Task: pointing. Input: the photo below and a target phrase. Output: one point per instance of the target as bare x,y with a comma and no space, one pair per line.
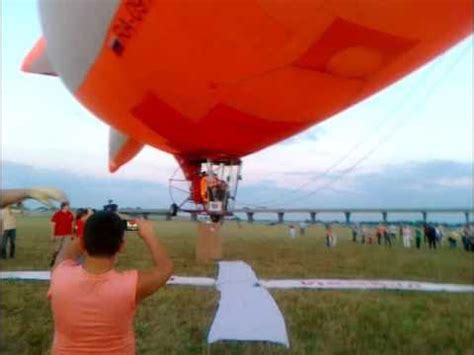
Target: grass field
176,320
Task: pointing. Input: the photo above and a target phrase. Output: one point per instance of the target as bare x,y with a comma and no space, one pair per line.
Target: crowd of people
433,236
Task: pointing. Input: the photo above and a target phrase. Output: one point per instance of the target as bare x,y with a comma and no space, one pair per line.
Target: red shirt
62,223
80,228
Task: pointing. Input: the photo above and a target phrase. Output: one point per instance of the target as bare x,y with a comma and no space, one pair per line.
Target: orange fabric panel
347,50
293,95
222,133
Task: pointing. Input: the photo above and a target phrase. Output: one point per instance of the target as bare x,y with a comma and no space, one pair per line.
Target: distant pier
348,212
312,213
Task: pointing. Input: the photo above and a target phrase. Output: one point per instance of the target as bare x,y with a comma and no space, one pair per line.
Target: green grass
176,320
377,322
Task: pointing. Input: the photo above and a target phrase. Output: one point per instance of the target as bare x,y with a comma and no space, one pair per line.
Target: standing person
439,233
355,232
111,206
387,238
380,232
466,235
430,234
371,236
433,236
331,238
364,233
418,235
453,237
470,233
8,232
393,232
94,304
61,229
81,217
292,231
328,235
406,233
302,227
78,228
425,233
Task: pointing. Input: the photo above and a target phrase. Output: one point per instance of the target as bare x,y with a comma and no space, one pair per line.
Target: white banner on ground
45,276
315,284
25,275
191,281
246,312
339,284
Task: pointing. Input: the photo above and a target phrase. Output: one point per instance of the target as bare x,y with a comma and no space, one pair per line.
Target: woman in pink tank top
93,304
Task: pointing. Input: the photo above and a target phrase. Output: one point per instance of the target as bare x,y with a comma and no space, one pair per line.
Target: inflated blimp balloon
210,79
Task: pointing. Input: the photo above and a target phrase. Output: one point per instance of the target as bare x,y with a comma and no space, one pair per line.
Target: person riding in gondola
213,185
204,188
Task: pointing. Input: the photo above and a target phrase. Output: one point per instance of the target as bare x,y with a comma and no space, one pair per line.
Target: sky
419,128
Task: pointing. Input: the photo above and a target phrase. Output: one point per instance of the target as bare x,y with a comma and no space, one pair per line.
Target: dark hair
111,207
64,204
80,213
103,234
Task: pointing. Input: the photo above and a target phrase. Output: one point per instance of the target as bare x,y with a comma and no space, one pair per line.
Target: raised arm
44,195
12,196
71,250
150,281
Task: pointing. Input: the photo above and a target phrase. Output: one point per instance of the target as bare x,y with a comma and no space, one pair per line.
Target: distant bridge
313,212
348,212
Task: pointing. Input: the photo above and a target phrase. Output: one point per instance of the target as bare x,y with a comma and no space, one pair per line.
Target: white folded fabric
247,311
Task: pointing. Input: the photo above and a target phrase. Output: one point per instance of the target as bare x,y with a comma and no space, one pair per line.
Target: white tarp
338,284
45,276
247,311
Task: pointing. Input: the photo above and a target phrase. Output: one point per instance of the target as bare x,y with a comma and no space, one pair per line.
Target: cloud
455,182
415,184
87,190
312,135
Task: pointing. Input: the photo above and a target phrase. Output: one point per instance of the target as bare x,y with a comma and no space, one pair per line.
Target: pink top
92,313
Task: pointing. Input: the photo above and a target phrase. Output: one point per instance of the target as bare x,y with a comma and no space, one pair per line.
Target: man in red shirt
61,228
